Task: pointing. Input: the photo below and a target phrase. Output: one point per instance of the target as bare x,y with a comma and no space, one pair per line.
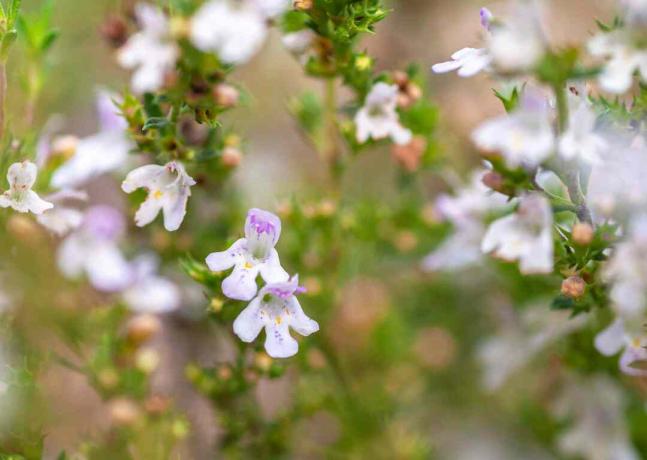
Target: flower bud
409,155
582,234
143,327
263,361
216,304
147,360
494,180
224,372
405,241
114,31
225,95
302,4
123,411
573,287
231,157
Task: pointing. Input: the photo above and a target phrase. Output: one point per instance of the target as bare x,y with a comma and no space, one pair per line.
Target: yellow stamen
157,194
248,265
278,320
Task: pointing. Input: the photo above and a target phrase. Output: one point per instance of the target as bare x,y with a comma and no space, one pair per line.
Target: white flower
460,250
636,11
149,292
250,256
598,431
623,59
234,31
626,270
468,61
524,137
521,339
169,188
276,309
299,42
63,219
581,140
93,250
616,338
100,153
517,45
525,236
150,51
21,177
378,118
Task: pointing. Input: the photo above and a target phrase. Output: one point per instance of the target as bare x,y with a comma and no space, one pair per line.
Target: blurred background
409,341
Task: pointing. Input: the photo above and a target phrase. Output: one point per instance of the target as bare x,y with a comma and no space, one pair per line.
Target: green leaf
155,122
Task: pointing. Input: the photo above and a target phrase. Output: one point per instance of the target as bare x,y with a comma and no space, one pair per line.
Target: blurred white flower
617,337
234,31
525,236
598,431
169,189
623,59
581,140
521,339
299,42
276,309
524,137
250,256
151,51
149,292
63,218
469,61
635,11
378,118
93,250
100,153
20,197
460,250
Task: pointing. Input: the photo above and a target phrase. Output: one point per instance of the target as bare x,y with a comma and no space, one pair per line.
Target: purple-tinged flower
149,292
486,18
151,52
378,118
276,309
169,189
100,153
525,236
21,177
250,256
616,338
63,218
94,250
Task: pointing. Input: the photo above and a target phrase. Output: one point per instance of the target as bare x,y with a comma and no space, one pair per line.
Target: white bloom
468,61
149,292
616,338
250,256
21,177
93,250
460,250
63,219
636,11
378,118
521,340
623,59
150,51
276,309
100,153
525,236
581,140
524,137
299,42
234,31
598,431
517,45
169,188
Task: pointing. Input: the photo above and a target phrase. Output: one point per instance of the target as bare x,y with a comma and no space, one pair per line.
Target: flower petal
249,322
219,261
271,270
611,340
147,211
278,341
241,284
140,177
299,321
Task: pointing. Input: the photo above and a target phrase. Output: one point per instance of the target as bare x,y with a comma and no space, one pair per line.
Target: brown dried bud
123,411
143,327
225,95
582,234
573,287
408,155
231,157
302,4
224,372
400,78
494,180
114,31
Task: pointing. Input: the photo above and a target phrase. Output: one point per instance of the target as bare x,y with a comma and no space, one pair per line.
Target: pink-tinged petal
271,269
143,176
611,340
298,319
278,341
219,261
241,284
249,322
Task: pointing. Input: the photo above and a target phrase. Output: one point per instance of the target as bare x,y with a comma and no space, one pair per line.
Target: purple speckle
486,18
260,225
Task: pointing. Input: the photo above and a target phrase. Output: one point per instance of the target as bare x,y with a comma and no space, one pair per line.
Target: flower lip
285,290
260,222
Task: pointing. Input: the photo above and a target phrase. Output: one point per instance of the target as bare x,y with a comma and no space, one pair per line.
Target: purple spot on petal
486,18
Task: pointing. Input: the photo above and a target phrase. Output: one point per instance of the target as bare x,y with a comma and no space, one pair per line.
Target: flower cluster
273,307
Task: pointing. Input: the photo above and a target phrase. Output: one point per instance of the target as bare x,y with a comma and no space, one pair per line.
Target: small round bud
225,95
216,304
582,234
494,181
302,5
224,372
114,31
405,241
108,378
573,287
263,361
143,327
147,360
123,411
363,62
408,156
327,208
231,157
400,78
